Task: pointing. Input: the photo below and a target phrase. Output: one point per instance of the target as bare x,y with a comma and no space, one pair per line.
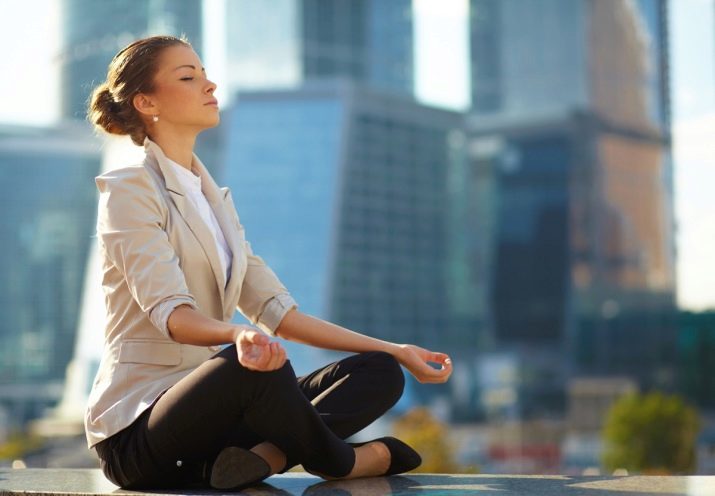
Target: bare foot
271,454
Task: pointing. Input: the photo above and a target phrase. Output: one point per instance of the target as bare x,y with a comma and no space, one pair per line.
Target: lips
212,102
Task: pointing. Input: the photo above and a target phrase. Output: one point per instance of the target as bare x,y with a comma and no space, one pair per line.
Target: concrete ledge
60,482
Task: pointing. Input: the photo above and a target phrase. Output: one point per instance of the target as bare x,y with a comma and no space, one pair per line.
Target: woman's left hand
415,359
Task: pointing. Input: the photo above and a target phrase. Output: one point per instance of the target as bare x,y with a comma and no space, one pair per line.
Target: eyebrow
188,65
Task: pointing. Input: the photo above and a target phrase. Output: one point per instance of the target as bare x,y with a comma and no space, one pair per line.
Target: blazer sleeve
131,234
263,299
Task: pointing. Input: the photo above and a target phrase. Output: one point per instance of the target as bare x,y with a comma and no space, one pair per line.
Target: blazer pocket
150,352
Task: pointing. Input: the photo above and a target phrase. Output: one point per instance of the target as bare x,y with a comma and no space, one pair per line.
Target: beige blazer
156,253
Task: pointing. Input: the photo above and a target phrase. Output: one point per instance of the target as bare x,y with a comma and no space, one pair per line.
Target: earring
155,118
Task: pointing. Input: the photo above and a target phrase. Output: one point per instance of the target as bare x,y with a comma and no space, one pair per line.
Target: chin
211,123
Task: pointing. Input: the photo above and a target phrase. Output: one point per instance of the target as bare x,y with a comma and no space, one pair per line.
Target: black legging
221,403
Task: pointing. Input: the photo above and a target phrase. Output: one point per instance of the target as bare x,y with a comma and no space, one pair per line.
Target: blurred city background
525,185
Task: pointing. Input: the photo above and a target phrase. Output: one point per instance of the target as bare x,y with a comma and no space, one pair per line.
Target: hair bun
130,72
104,110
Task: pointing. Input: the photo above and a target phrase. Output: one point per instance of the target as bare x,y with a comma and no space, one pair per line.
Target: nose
211,87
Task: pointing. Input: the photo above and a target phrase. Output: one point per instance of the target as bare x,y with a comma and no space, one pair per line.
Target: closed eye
186,79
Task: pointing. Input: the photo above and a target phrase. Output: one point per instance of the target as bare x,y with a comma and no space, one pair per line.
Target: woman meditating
171,407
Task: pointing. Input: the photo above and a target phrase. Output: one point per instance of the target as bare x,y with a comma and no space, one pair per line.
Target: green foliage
17,445
651,433
430,438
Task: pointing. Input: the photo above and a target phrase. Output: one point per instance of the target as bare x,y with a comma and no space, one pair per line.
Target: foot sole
236,468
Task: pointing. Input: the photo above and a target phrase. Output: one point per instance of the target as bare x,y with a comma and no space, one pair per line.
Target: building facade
93,32
49,193
571,117
284,43
342,190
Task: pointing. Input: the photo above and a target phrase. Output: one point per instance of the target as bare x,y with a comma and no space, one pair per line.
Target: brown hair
131,71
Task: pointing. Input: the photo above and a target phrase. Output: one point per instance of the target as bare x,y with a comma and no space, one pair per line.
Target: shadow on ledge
60,482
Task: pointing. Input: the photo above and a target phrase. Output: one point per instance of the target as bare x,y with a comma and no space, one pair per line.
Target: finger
425,373
281,357
273,352
439,357
251,361
441,374
260,358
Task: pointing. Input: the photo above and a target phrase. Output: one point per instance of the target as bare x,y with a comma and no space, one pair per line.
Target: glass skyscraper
283,43
327,143
49,196
535,57
575,96
342,190
93,32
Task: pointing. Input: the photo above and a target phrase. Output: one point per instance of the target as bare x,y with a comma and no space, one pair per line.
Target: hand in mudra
256,351
415,359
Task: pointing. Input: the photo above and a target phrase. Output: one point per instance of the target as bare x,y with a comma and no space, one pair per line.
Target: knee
392,379
279,375
283,374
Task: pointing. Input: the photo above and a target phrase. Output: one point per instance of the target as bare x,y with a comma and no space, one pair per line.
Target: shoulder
133,175
129,189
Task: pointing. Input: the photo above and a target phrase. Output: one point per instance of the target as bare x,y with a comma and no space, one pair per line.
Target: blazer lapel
188,212
222,206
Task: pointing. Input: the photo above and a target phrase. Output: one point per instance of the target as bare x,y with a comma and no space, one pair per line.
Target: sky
693,108
29,95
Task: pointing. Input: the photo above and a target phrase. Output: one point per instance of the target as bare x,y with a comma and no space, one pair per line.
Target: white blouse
192,185
274,310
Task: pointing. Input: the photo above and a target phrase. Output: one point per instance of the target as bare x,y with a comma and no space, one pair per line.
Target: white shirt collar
187,178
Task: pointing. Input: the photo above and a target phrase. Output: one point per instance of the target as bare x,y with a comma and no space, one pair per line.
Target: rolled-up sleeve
131,235
264,300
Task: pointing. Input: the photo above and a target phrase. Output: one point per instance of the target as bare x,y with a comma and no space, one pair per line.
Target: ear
145,104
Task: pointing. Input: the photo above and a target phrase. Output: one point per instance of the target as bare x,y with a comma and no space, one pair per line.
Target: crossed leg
349,395
222,403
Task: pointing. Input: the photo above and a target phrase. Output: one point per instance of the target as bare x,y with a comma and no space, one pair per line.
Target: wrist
236,333
396,350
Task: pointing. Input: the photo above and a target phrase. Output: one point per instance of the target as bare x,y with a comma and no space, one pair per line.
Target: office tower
696,353
571,115
49,196
342,190
282,43
93,32
537,57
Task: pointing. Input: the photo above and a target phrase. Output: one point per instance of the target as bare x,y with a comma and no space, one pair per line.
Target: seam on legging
332,387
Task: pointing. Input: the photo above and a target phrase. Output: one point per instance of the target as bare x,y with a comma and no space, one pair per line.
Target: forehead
176,56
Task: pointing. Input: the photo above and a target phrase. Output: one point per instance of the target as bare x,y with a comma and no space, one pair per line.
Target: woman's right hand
257,352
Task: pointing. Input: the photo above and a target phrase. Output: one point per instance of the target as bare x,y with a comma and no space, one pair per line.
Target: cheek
174,98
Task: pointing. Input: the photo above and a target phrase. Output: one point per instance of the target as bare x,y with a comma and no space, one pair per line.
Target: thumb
255,337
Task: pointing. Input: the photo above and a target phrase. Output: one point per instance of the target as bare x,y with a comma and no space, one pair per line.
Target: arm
189,326
130,233
255,351
302,328
267,304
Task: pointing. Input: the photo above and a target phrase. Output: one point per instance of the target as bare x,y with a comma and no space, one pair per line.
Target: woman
169,408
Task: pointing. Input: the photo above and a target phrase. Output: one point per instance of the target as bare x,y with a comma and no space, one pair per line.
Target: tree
651,433
430,438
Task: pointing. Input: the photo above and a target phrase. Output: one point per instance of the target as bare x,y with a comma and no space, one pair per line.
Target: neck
176,146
